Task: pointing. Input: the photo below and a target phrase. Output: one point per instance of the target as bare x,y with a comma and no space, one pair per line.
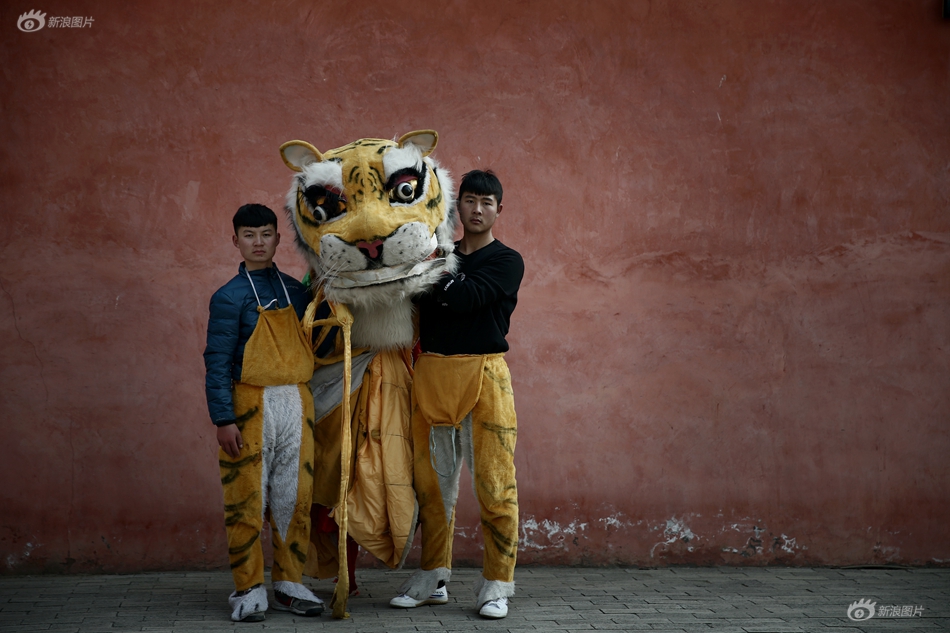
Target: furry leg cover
488,590
253,601
295,590
422,583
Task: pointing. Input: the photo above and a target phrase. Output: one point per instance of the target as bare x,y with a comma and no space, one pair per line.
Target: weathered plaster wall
732,340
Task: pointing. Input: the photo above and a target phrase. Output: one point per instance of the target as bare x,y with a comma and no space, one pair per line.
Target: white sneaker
494,609
403,601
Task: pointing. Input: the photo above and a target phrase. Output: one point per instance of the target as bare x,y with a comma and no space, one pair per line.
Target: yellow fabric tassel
342,318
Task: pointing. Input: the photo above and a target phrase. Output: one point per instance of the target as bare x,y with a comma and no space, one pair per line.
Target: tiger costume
375,221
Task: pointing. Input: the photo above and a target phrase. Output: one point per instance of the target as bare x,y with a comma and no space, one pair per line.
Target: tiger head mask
375,220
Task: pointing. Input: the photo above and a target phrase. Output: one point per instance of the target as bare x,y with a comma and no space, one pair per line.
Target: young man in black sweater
463,406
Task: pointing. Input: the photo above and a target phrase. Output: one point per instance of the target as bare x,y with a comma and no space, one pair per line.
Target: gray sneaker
306,608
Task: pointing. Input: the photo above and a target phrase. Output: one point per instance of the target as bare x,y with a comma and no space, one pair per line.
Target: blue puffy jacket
233,317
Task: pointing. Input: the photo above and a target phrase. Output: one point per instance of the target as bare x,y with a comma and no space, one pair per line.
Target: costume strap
343,318
257,296
283,285
310,321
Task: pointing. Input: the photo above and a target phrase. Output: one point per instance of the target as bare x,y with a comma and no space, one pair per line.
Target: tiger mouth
379,276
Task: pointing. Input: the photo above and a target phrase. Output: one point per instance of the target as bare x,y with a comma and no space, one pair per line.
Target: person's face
257,245
478,212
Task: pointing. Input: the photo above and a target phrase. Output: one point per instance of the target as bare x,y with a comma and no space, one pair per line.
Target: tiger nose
370,249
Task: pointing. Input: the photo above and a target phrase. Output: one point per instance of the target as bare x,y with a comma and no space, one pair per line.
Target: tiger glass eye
325,202
405,191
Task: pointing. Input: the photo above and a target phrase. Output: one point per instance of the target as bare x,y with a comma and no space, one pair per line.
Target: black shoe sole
309,613
253,617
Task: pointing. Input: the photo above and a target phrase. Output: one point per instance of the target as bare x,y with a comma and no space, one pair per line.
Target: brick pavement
549,600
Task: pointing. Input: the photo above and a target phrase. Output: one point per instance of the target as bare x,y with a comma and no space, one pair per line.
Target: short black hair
481,183
253,216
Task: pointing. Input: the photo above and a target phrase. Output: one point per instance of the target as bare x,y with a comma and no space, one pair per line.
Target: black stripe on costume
245,547
239,463
240,505
504,544
490,493
240,561
502,433
504,384
377,185
436,201
301,556
244,417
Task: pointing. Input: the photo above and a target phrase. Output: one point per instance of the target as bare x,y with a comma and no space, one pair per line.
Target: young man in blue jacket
258,364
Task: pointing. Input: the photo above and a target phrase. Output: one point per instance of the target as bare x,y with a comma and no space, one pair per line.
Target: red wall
732,340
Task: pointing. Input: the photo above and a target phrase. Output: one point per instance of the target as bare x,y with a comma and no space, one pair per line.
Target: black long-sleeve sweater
469,312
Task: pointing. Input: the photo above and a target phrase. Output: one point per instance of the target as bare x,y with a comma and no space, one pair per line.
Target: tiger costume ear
426,140
299,154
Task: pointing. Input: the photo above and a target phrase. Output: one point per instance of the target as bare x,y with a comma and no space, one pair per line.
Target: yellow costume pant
273,471
464,406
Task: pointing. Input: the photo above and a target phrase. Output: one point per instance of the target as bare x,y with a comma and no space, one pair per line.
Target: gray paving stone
549,600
